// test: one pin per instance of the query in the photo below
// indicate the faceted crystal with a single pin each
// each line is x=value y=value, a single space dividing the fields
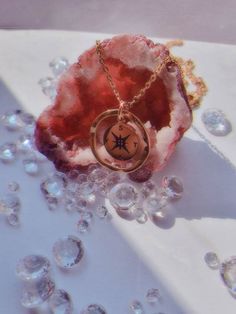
x=101 y=211
x=216 y=122
x=12 y=120
x=136 y=307
x=25 y=143
x=142 y=219
x=31 y=166
x=86 y=215
x=32 y=267
x=37 y=292
x=13 y=219
x=48 y=86
x=68 y=251
x=27 y=118
x=228 y=273
x=60 y=302
x=8 y=152
x=212 y=260
x=95 y=309
x=87 y=188
x=9 y=204
x=82 y=178
x=59 y=65
x=153 y=295
x=54 y=185
x=98 y=175
x=123 y=196
x=111 y=180
x=154 y=204
x=82 y=225
x=52 y=203
x=172 y=187
x=13 y=186
x=148 y=188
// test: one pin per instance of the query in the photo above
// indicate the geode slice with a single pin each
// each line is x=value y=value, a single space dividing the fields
x=62 y=132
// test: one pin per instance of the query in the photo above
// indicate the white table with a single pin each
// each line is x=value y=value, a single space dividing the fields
x=123 y=259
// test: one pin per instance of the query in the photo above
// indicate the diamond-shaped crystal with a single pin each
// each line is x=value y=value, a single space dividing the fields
x=148 y=188
x=216 y=122
x=123 y=196
x=154 y=204
x=9 y=204
x=25 y=143
x=228 y=273
x=54 y=185
x=31 y=166
x=153 y=295
x=172 y=187
x=59 y=65
x=95 y=309
x=68 y=251
x=48 y=86
x=12 y=120
x=101 y=211
x=142 y=219
x=212 y=260
x=98 y=175
x=60 y=302
x=8 y=152
x=136 y=307
x=13 y=219
x=37 y=292
x=82 y=225
x=32 y=267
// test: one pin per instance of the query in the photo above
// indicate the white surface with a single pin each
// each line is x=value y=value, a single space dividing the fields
x=124 y=259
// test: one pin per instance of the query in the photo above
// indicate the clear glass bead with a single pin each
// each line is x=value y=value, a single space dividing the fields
x=148 y=188
x=101 y=211
x=153 y=295
x=48 y=86
x=25 y=143
x=98 y=175
x=142 y=219
x=68 y=252
x=136 y=307
x=87 y=188
x=8 y=152
x=37 y=292
x=81 y=204
x=216 y=122
x=59 y=65
x=95 y=309
x=155 y=204
x=13 y=186
x=123 y=196
x=32 y=267
x=172 y=187
x=60 y=302
x=212 y=260
x=82 y=178
x=9 y=204
x=228 y=274
x=13 y=219
x=31 y=166
x=27 y=118
x=53 y=186
x=82 y=225
x=52 y=203
x=12 y=120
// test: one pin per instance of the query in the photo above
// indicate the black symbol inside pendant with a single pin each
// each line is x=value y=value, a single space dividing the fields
x=120 y=142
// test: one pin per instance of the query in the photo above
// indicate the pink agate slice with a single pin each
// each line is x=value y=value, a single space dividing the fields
x=62 y=132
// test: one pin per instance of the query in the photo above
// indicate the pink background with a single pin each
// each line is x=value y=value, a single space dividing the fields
x=209 y=20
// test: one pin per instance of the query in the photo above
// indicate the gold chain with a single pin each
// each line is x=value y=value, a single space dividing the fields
x=141 y=93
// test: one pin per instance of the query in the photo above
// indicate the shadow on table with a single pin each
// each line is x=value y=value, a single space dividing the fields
x=114 y=271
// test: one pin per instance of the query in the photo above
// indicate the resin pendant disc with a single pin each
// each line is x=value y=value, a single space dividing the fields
x=121 y=141
x=119 y=145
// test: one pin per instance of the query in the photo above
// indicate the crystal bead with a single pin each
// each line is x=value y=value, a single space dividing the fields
x=86 y=215
x=82 y=225
x=172 y=187
x=12 y=120
x=48 y=86
x=228 y=274
x=155 y=204
x=90 y=198
x=82 y=178
x=13 y=186
x=52 y=203
x=31 y=166
x=136 y=307
x=212 y=260
x=87 y=188
x=54 y=185
x=153 y=295
x=8 y=152
x=216 y=122
x=123 y=196
x=81 y=204
x=73 y=174
x=98 y=175
x=60 y=302
x=27 y=118
x=111 y=180
x=32 y=267
x=142 y=219
x=13 y=219
x=101 y=211
x=68 y=251
x=95 y=309
x=148 y=188
x=37 y=292
x=25 y=143
x=59 y=65
x=9 y=204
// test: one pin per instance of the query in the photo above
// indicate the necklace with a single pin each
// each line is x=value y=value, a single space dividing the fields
x=119 y=140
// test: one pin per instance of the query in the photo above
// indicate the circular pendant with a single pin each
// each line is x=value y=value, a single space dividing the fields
x=119 y=145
